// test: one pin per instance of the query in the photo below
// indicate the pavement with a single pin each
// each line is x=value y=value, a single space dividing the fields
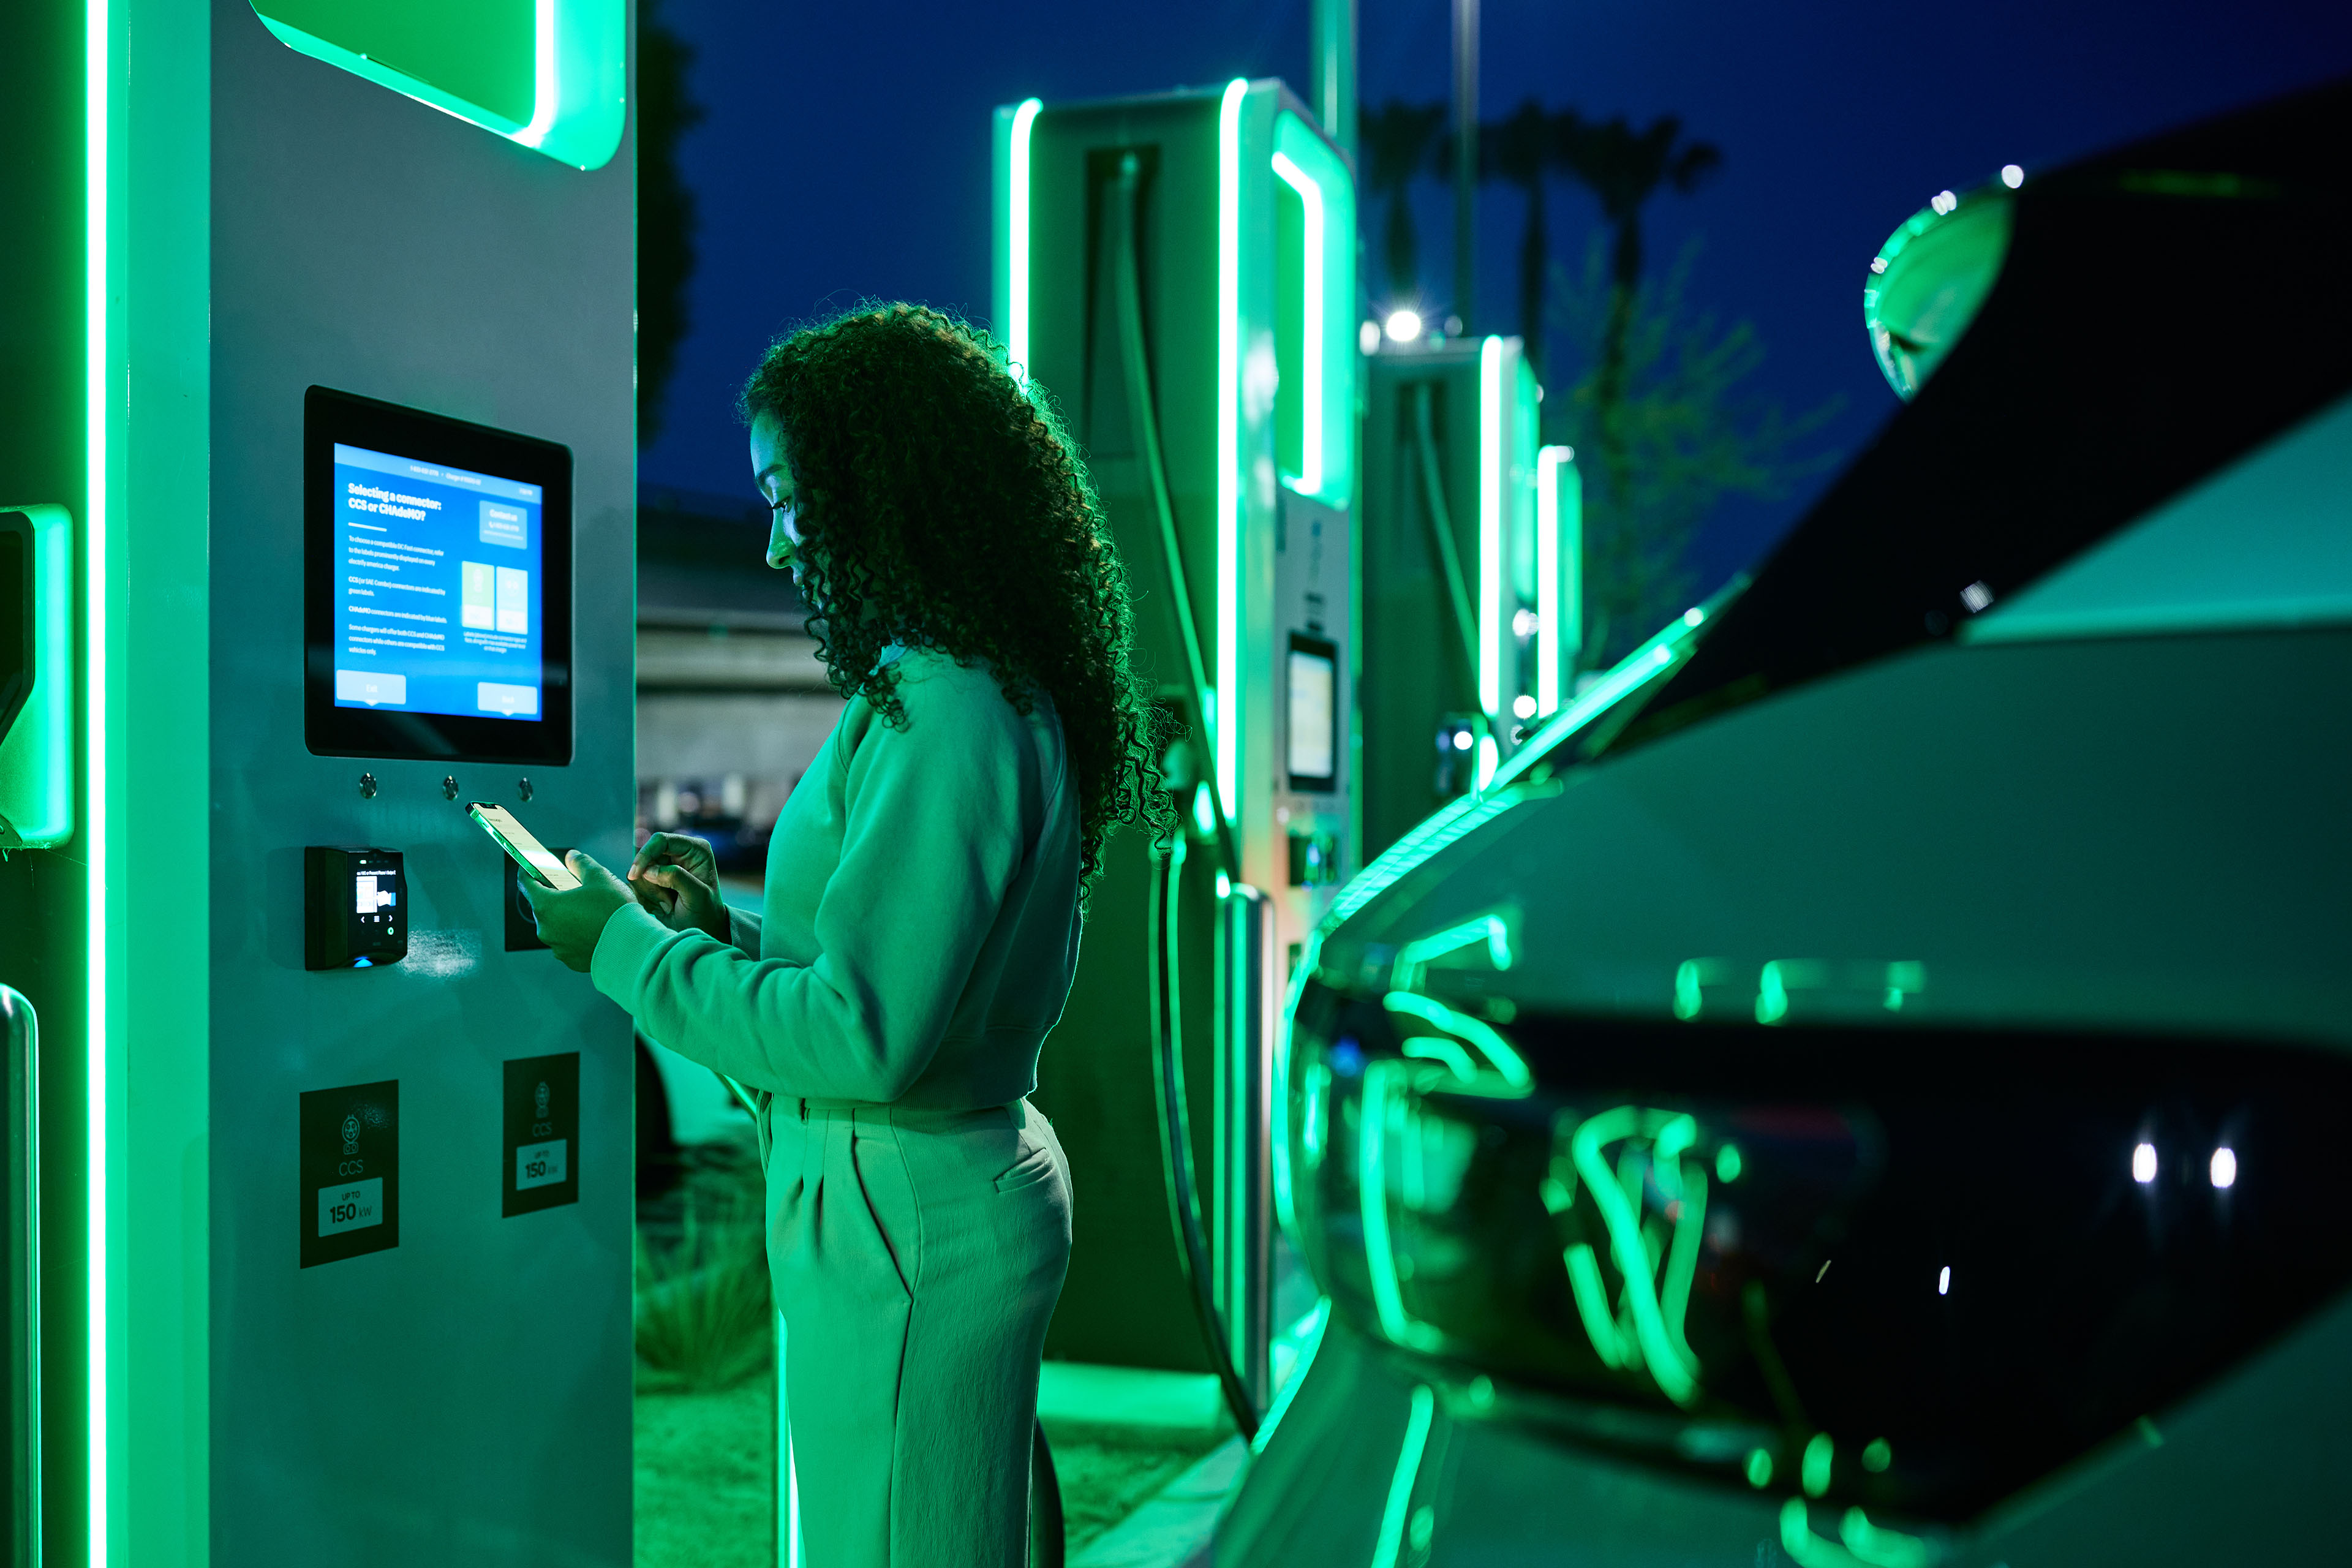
x=1178 y=1528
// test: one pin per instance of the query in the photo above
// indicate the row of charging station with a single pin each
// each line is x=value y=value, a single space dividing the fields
x=1357 y=579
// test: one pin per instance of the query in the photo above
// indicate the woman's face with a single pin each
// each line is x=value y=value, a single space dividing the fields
x=772 y=475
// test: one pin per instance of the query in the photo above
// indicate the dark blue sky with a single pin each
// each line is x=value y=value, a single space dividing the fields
x=846 y=150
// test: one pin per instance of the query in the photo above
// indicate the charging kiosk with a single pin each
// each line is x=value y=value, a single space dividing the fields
x=1472 y=573
x=1176 y=274
x=324 y=471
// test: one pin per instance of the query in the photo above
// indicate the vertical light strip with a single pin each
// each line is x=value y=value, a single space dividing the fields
x=1551 y=666
x=786 y=1481
x=792 y=1498
x=1016 y=242
x=1227 y=719
x=1311 y=346
x=1389 y=1543
x=97 y=107
x=1490 y=528
x=544 y=97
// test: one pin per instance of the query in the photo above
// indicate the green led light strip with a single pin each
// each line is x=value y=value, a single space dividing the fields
x=1310 y=357
x=1548 y=666
x=1560 y=582
x=1490 y=530
x=1017 y=259
x=1225 y=723
x=98 y=110
x=544 y=97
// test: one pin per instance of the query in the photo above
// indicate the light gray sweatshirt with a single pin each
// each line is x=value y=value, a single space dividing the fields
x=919 y=926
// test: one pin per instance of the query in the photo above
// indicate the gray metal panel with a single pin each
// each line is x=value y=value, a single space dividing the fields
x=463 y=1398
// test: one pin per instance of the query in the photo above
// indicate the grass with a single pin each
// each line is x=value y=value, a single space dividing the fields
x=703 y=1312
x=706 y=1467
x=706 y=1429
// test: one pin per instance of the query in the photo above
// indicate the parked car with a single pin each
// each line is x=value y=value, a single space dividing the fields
x=1871 y=1081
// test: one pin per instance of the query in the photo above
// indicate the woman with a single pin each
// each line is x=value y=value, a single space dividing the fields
x=920 y=922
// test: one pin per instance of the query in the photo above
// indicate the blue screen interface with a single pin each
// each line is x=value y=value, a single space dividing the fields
x=439 y=576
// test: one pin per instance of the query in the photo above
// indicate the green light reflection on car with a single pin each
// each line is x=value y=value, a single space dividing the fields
x=1413 y=960
x=1821 y=1454
x=1392 y=1087
x=1644 y=1330
x=1866 y=1545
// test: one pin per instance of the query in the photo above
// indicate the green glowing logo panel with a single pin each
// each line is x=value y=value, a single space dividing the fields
x=550 y=74
x=482 y=52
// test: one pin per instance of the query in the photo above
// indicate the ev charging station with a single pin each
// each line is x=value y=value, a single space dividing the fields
x=1176 y=276
x=1472 y=570
x=317 y=442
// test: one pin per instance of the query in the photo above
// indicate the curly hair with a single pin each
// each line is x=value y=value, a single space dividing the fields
x=942 y=505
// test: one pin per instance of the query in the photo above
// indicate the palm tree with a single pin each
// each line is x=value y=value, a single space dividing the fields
x=1396 y=139
x=1524 y=149
x=1625 y=168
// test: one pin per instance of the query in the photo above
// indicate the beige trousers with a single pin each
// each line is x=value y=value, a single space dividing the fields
x=917 y=1256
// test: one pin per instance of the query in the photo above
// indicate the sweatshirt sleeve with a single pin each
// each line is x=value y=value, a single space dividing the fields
x=931 y=839
x=743 y=929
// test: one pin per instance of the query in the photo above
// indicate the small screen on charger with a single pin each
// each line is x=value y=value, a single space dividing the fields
x=438 y=588
x=1313 y=714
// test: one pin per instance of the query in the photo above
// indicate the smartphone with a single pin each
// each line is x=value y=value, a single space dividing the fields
x=537 y=862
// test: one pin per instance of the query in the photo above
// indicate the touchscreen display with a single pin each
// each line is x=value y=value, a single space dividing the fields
x=437 y=588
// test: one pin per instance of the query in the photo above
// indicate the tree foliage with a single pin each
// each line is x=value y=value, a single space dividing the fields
x=1397 y=139
x=666 y=217
x=1650 y=392
x=1660 y=419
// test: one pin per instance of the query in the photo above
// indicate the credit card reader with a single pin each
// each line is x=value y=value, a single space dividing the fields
x=355 y=904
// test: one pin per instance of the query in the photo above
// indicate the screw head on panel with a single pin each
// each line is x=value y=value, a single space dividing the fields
x=449 y=788
x=367 y=786
x=522 y=788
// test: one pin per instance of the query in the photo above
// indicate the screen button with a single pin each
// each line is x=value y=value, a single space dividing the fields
x=367 y=685
x=507 y=525
x=494 y=697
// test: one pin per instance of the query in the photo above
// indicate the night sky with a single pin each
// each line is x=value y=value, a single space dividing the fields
x=845 y=149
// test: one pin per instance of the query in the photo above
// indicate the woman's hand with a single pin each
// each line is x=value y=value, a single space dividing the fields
x=572 y=920
x=676 y=877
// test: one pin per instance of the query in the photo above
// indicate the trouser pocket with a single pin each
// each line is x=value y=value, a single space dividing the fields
x=1038 y=1155
x=1034 y=1166
x=880 y=1167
